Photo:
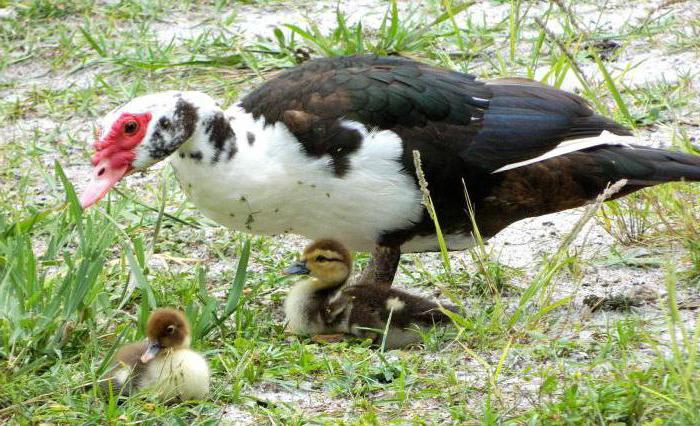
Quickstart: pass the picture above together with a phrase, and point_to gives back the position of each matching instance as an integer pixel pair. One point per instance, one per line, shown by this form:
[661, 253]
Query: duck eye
[322, 259]
[165, 123]
[130, 127]
[170, 330]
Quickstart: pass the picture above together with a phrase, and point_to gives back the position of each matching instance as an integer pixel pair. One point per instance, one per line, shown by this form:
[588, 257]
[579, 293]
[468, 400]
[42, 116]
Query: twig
[422, 182]
[590, 211]
[153, 209]
[663, 5]
[564, 50]
[430, 207]
[554, 263]
[572, 18]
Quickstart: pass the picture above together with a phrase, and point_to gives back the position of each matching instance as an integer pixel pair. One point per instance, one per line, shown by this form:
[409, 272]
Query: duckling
[164, 362]
[326, 304]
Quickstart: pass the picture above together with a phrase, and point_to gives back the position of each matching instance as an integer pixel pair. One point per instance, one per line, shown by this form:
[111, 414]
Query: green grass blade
[137, 273]
[450, 13]
[234, 294]
[610, 83]
[239, 279]
[71, 198]
[25, 226]
[92, 42]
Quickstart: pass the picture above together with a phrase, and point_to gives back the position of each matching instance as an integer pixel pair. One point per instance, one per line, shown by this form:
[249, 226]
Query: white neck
[302, 310]
[247, 176]
[214, 139]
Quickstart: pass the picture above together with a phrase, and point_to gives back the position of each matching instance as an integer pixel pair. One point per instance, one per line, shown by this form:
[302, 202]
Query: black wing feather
[473, 124]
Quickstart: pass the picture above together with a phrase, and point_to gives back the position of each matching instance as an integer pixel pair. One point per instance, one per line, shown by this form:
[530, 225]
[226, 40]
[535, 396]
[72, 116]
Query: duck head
[326, 260]
[166, 329]
[145, 131]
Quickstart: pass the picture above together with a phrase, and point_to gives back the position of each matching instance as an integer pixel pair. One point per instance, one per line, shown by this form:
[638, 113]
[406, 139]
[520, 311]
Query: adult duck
[325, 149]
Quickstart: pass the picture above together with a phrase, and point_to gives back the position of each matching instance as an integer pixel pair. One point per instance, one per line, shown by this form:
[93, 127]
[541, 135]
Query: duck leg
[383, 264]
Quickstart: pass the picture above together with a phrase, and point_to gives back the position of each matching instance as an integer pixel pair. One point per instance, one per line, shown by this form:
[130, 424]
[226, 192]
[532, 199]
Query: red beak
[103, 179]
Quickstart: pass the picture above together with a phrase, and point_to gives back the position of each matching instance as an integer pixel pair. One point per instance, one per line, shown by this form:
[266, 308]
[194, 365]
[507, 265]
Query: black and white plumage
[326, 303]
[325, 150]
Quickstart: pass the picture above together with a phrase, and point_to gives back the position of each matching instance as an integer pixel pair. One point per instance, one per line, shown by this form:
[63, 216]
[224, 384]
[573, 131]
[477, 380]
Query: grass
[524, 350]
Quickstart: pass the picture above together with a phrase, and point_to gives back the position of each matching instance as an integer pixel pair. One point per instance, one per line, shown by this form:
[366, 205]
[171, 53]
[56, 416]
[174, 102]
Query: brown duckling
[164, 362]
[325, 304]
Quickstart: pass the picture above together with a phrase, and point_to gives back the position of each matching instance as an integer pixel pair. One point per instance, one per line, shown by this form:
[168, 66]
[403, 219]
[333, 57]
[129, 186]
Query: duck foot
[382, 266]
[328, 338]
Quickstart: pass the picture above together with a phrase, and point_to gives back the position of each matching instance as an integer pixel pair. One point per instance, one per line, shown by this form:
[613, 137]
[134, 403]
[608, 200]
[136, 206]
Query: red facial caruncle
[114, 155]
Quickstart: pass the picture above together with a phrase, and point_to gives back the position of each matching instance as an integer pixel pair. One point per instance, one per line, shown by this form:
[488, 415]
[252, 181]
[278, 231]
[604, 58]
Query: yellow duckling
[164, 362]
[325, 304]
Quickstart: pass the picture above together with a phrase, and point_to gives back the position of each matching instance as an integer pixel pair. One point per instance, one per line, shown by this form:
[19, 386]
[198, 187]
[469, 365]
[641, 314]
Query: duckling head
[326, 260]
[166, 329]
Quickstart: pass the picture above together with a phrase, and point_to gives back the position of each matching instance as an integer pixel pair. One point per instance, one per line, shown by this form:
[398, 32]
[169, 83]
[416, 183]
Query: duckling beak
[151, 351]
[298, 268]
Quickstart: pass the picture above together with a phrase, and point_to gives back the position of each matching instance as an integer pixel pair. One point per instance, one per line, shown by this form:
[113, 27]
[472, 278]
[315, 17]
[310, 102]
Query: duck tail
[642, 166]
[594, 125]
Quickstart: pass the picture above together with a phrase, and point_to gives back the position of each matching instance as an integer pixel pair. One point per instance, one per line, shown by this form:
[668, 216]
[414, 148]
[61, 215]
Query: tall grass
[58, 288]
[428, 205]
[42, 313]
[395, 35]
[540, 288]
[680, 390]
[664, 390]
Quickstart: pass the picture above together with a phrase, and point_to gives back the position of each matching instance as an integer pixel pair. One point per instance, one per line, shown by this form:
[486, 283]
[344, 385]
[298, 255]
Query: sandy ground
[522, 245]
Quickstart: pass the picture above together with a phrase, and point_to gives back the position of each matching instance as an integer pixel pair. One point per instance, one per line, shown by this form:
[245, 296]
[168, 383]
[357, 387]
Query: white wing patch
[394, 304]
[566, 147]
[122, 375]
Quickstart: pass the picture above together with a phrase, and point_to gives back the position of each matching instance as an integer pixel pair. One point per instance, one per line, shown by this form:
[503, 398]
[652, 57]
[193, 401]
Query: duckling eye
[170, 330]
[322, 259]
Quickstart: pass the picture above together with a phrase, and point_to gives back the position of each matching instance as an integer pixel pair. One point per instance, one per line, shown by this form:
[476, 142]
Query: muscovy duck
[163, 363]
[326, 303]
[325, 150]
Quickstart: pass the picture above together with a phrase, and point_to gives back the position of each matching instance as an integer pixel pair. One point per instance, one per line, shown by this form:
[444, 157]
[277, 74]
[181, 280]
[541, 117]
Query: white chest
[181, 373]
[302, 312]
[273, 187]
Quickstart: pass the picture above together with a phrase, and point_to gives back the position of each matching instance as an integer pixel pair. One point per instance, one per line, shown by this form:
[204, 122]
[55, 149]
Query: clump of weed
[616, 302]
